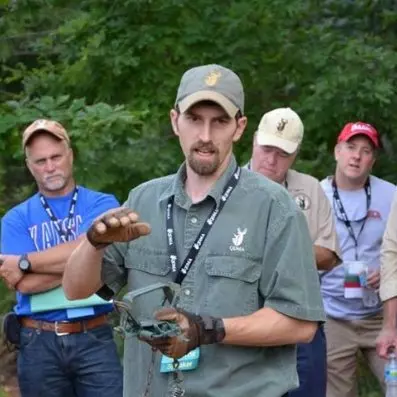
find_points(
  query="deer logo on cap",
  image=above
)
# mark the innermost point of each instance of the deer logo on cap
(40, 123)
(281, 124)
(212, 78)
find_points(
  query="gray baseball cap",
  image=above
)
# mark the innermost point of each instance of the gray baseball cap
(211, 83)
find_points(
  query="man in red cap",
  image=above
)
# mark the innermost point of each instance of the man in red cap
(361, 204)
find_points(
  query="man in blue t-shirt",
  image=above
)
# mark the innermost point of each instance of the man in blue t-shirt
(66, 348)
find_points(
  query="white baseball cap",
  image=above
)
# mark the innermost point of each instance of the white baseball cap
(281, 128)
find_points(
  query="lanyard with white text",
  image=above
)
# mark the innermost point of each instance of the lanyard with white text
(181, 272)
(64, 236)
(346, 220)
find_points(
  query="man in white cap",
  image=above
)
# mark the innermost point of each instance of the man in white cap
(275, 148)
(240, 297)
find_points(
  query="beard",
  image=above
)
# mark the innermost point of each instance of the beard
(202, 166)
(55, 183)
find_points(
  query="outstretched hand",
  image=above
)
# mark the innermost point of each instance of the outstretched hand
(116, 225)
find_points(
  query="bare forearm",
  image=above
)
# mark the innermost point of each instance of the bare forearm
(390, 313)
(53, 260)
(35, 283)
(325, 258)
(267, 327)
(82, 274)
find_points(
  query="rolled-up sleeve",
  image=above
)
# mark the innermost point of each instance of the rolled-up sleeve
(388, 256)
(289, 281)
(114, 274)
(326, 233)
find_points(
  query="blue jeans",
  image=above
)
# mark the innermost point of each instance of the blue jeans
(312, 367)
(82, 364)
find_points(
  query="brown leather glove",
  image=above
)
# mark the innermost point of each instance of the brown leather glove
(116, 225)
(196, 331)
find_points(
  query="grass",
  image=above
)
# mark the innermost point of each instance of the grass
(368, 385)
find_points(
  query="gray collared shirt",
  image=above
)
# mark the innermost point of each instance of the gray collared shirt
(258, 253)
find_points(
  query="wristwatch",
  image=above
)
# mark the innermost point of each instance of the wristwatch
(24, 264)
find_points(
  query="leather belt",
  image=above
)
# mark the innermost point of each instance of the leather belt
(64, 327)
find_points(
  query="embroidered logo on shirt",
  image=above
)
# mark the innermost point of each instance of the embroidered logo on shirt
(303, 201)
(237, 240)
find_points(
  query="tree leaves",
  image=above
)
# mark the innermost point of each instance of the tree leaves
(333, 62)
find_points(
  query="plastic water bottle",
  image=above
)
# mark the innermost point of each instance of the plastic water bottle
(391, 375)
(370, 295)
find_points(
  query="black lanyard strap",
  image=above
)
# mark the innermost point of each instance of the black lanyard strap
(180, 272)
(62, 234)
(343, 214)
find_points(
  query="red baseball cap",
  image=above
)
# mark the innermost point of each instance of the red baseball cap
(359, 128)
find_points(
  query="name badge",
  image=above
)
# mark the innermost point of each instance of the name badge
(186, 363)
(355, 279)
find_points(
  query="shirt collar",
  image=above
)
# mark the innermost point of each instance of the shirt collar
(177, 186)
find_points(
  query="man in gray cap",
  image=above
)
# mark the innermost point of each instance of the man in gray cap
(235, 242)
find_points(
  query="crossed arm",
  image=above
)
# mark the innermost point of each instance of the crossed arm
(46, 272)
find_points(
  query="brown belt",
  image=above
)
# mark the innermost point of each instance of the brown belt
(63, 327)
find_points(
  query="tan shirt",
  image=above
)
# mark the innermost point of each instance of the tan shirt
(388, 256)
(311, 199)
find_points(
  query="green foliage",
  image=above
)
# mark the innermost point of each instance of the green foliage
(308, 55)
(111, 142)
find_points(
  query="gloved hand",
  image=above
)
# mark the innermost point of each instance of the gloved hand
(116, 225)
(196, 331)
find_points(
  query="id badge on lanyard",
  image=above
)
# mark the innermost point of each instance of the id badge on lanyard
(191, 360)
(354, 272)
(186, 363)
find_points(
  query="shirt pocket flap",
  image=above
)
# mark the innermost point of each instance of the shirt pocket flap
(240, 268)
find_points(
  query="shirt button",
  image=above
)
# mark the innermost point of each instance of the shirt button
(187, 291)
(193, 219)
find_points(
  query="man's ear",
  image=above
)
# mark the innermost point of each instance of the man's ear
(336, 151)
(241, 125)
(174, 115)
(27, 164)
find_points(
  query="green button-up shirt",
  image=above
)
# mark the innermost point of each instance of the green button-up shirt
(258, 253)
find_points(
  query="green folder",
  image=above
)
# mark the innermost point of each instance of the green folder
(55, 299)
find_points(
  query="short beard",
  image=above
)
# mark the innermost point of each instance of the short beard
(203, 168)
(56, 186)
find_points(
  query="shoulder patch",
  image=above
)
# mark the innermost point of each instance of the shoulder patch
(303, 201)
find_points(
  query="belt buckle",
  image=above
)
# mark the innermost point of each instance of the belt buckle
(57, 333)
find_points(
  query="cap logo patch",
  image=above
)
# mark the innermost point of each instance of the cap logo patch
(281, 124)
(40, 123)
(212, 78)
(360, 126)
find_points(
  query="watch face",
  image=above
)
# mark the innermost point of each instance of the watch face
(24, 264)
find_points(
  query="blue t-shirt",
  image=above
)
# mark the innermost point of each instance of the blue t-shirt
(369, 242)
(28, 228)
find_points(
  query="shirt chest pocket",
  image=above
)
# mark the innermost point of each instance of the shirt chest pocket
(231, 286)
(146, 268)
